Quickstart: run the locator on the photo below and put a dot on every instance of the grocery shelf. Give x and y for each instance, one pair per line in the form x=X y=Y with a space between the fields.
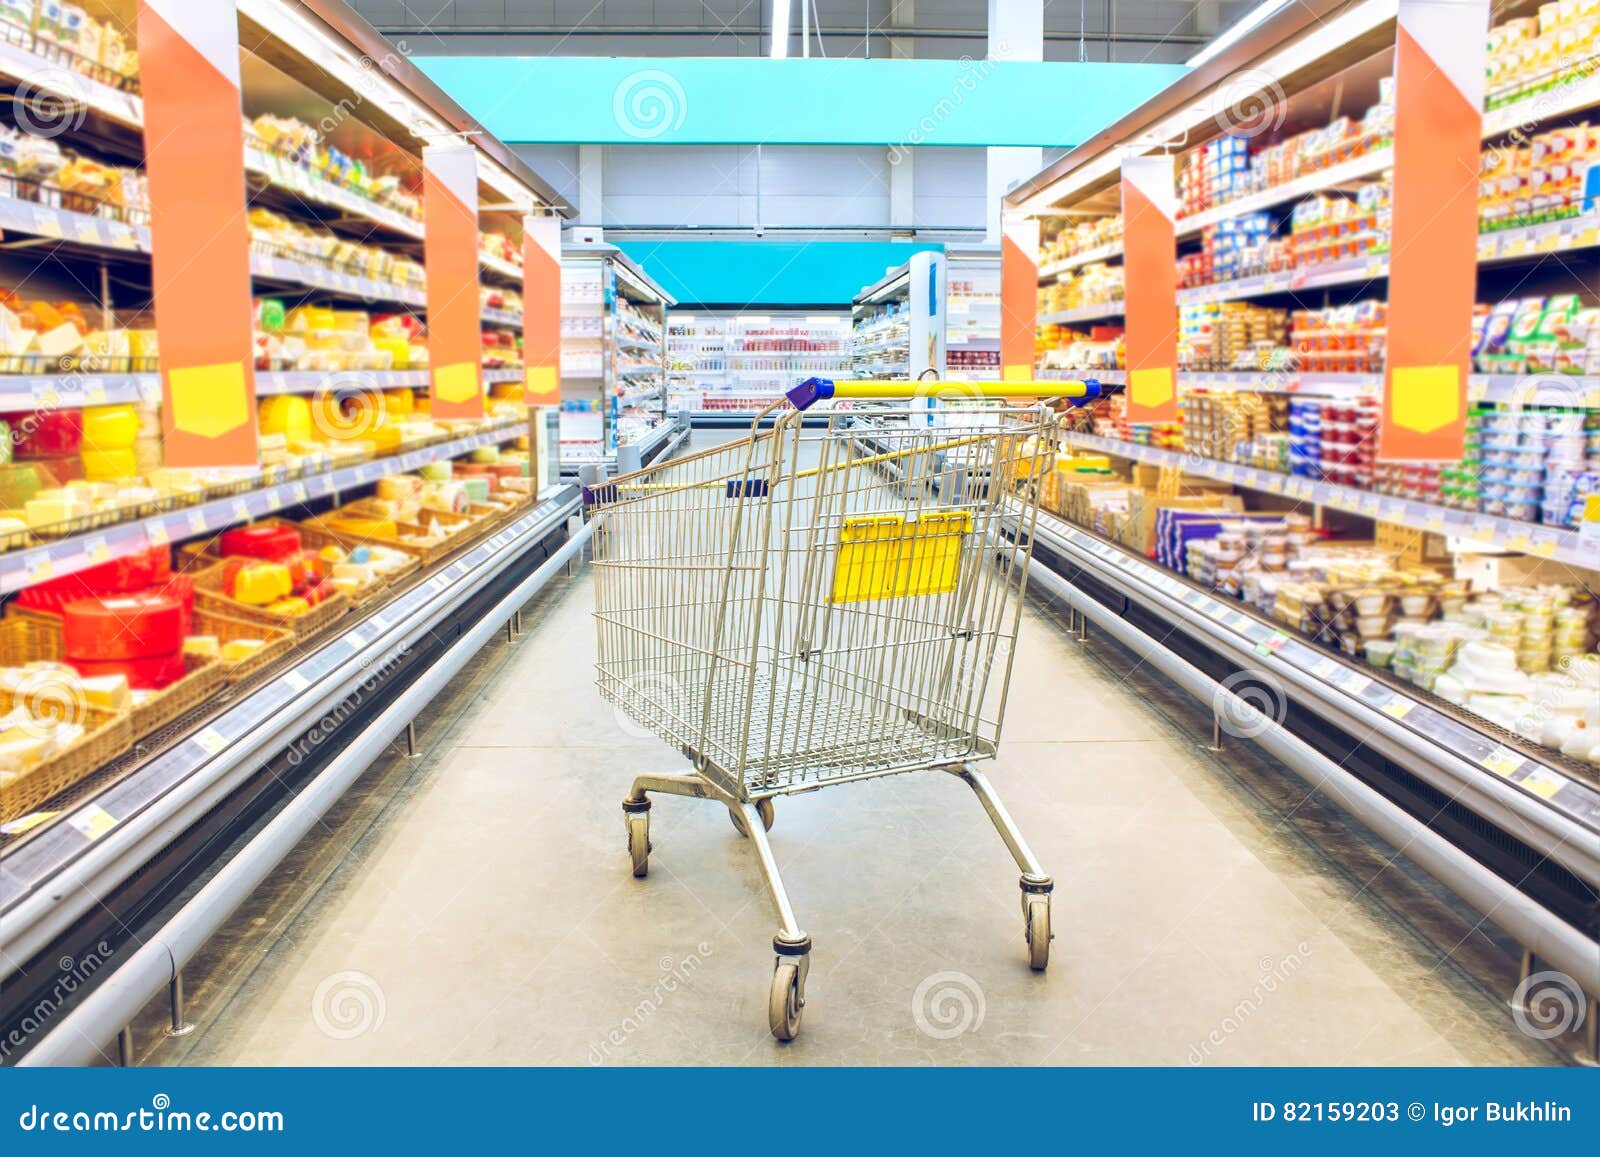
x=1551 y=542
x=504 y=374
x=1549 y=780
x=20 y=568
x=79 y=388
x=301 y=182
x=1576 y=391
x=1361 y=168
x=1053 y=269
x=1098 y=312
x=1525 y=813
x=66 y=225
x=305 y=275
x=47 y=76
x=501 y=268
x=100 y=842
x=506 y=317
x=270 y=382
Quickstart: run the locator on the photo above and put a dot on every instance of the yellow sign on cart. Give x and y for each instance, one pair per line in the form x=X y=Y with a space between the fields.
x=887 y=557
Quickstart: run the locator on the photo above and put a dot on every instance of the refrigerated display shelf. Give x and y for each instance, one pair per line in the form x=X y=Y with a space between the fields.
x=72 y=390
x=1576 y=391
x=1537 y=795
x=1099 y=312
x=23 y=567
x=504 y=374
x=511 y=319
x=501 y=267
x=1053 y=269
x=121 y=821
x=72 y=88
x=305 y=275
x=270 y=382
x=300 y=181
x=1537 y=539
x=66 y=225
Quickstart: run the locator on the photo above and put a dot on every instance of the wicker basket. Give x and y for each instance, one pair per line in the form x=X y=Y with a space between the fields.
x=278 y=642
x=199 y=555
x=425 y=555
x=107 y=735
x=29 y=635
x=210 y=595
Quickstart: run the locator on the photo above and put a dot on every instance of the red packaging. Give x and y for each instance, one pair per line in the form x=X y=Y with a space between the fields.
x=267 y=541
x=151 y=674
x=45 y=433
x=135 y=572
x=138 y=626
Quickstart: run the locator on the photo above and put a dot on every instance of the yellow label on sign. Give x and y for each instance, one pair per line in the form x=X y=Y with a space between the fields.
x=1541 y=783
x=1397 y=708
x=1591 y=508
x=541 y=386
x=455 y=383
x=94 y=822
x=1150 y=387
x=1018 y=373
x=26 y=823
x=1425 y=398
x=208 y=400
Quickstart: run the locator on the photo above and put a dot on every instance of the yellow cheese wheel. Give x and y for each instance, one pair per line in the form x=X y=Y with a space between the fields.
x=289 y=606
x=110 y=427
x=236 y=650
x=287 y=414
x=262 y=583
x=399 y=403
x=110 y=465
x=362 y=527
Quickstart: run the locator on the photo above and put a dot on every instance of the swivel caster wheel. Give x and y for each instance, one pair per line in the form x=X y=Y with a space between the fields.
x=1036 y=930
x=763 y=808
x=639 y=840
x=786 y=1001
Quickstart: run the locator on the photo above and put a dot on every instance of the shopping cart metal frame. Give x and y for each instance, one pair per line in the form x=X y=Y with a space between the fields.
x=749 y=800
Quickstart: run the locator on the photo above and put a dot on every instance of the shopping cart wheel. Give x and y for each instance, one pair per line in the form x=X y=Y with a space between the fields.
x=786 y=1001
x=764 y=806
x=639 y=841
x=1036 y=930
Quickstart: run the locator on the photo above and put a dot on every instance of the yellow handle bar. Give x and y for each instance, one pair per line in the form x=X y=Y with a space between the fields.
x=813 y=390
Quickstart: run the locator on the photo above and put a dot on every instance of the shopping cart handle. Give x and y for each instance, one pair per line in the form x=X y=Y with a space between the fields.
x=813 y=390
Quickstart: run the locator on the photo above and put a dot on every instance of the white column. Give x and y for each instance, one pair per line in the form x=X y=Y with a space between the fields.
x=902 y=19
x=1016 y=32
x=902 y=194
x=591 y=188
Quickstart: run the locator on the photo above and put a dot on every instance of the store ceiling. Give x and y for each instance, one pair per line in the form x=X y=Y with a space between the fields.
x=1124 y=30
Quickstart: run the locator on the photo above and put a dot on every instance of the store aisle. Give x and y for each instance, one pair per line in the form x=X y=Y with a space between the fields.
x=474 y=906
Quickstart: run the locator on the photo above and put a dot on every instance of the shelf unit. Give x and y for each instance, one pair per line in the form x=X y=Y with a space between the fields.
x=972 y=315
x=613 y=354
x=1500 y=795
x=725 y=364
x=298 y=60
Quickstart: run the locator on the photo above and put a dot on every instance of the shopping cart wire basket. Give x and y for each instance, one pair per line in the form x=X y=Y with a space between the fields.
x=812 y=606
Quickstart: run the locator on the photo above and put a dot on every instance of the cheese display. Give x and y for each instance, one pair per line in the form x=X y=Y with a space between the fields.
x=258 y=584
x=121 y=627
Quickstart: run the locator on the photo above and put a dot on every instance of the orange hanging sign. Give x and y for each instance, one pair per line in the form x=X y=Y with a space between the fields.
x=199 y=239
x=1019 y=296
x=1433 y=246
x=1150 y=274
x=450 y=258
x=541 y=310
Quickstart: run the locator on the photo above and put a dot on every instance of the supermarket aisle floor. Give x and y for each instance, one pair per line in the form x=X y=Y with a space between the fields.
x=474 y=906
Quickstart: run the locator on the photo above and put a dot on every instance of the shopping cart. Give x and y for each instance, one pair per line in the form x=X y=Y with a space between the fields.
x=813 y=606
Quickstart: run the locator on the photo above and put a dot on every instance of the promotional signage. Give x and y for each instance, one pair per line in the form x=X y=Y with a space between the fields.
x=450 y=247
x=1433 y=264
x=1019 y=295
x=541 y=310
x=1150 y=273
x=199 y=238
